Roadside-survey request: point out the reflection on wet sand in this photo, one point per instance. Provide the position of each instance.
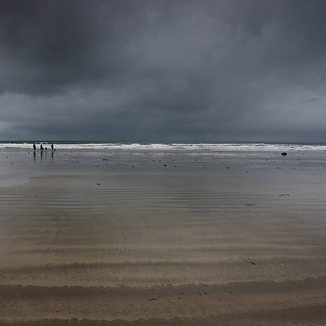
(175, 239)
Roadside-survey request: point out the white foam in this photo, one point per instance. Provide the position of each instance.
(162, 147)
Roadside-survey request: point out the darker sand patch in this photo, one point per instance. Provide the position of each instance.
(311, 315)
(200, 304)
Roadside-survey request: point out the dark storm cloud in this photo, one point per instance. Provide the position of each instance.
(178, 70)
(52, 44)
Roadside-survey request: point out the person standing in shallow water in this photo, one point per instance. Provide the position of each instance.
(41, 147)
(34, 154)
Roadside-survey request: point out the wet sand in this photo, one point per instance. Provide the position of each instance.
(109, 238)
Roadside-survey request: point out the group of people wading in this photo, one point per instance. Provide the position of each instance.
(42, 148)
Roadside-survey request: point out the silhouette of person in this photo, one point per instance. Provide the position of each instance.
(34, 147)
(41, 147)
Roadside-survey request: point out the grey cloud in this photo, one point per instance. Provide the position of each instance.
(59, 44)
(173, 70)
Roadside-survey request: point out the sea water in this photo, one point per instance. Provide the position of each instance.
(164, 146)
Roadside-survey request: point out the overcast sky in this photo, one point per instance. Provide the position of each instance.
(176, 70)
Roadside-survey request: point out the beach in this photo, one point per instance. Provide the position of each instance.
(158, 237)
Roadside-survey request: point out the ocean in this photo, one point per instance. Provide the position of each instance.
(164, 146)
